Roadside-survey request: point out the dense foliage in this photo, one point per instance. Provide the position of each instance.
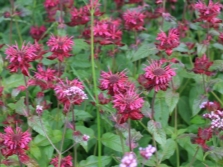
(111, 83)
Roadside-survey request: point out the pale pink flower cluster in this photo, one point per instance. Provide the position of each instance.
(129, 160)
(75, 91)
(203, 104)
(147, 152)
(216, 118)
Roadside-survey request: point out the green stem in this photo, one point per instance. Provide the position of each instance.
(122, 143)
(220, 101)
(177, 148)
(95, 87)
(193, 159)
(18, 31)
(130, 139)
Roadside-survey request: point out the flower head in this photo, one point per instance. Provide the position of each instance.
(157, 75)
(65, 162)
(16, 139)
(147, 152)
(168, 42)
(20, 58)
(113, 82)
(134, 19)
(216, 118)
(37, 32)
(201, 65)
(47, 75)
(60, 46)
(129, 160)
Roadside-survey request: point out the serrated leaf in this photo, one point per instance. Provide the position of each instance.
(171, 99)
(113, 141)
(144, 51)
(34, 123)
(157, 131)
(217, 65)
(12, 81)
(34, 150)
(92, 161)
(80, 44)
(218, 46)
(168, 149)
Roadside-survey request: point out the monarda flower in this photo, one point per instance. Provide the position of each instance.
(65, 162)
(157, 76)
(134, 19)
(79, 16)
(19, 58)
(168, 42)
(60, 46)
(37, 32)
(113, 82)
(201, 65)
(203, 136)
(208, 12)
(45, 74)
(16, 140)
(128, 105)
(70, 93)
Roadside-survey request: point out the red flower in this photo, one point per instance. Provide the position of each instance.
(69, 96)
(113, 82)
(16, 140)
(134, 19)
(208, 12)
(20, 58)
(158, 75)
(203, 136)
(201, 65)
(65, 162)
(37, 32)
(168, 43)
(60, 47)
(128, 105)
(79, 16)
(47, 75)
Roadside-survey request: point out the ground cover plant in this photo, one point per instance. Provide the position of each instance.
(111, 83)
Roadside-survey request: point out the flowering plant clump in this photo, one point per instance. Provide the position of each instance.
(128, 83)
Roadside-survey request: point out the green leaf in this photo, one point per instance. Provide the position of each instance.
(12, 81)
(201, 49)
(34, 123)
(217, 65)
(56, 136)
(168, 149)
(186, 144)
(80, 44)
(20, 107)
(171, 99)
(184, 109)
(80, 115)
(92, 161)
(218, 86)
(1, 64)
(113, 141)
(218, 46)
(40, 140)
(34, 150)
(181, 48)
(158, 133)
(161, 111)
(144, 51)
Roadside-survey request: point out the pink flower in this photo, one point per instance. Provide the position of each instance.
(65, 162)
(202, 64)
(16, 139)
(208, 12)
(168, 43)
(47, 75)
(79, 16)
(147, 152)
(60, 47)
(134, 19)
(20, 58)
(129, 160)
(128, 105)
(64, 92)
(37, 32)
(51, 3)
(113, 82)
(157, 75)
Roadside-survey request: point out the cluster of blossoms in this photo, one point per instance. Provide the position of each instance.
(125, 98)
(37, 33)
(15, 142)
(202, 65)
(134, 19)
(216, 118)
(129, 160)
(147, 152)
(157, 76)
(60, 46)
(168, 42)
(208, 12)
(65, 162)
(210, 106)
(203, 136)
(106, 32)
(70, 93)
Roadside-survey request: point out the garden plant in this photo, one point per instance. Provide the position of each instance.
(111, 83)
